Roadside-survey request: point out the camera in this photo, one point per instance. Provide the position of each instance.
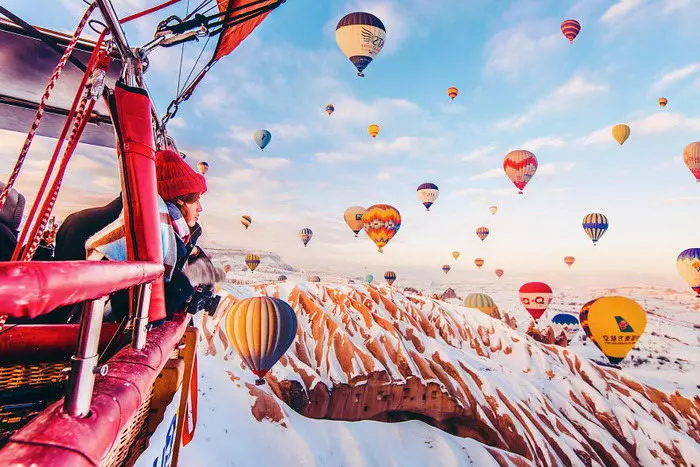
(203, 298)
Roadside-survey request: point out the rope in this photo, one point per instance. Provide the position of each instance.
(148, 11)
(42, 105)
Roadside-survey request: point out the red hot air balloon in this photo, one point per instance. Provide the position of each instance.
(520, 166)
(499, 273)
(570, 28)
(535, 297)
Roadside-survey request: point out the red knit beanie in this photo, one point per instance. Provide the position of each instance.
(175, 177)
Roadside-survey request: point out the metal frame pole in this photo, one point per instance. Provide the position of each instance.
(140, 318)
(84, 362)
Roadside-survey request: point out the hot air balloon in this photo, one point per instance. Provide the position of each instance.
(305, 235)
(493, 210)
(373, 130)
(262, 138)
(446, 268)
(390, 277)
(455, 254)
(361, 37)
(691, 157)
(482, 233)
(282, 278)
(535, 297)
(569, 260)
(499, 273)
(479, 262)
(427, 194)
(261, 330)
(381, 222)
(566, 323)
(481, 302)
(353, 217)
(246, 221)
(452, 92)
(663, 101)
(369, 278)
(252, 262)
(614, 324)
(314, 279)
(570, 28)
(621, 132)
(595, 225)
(688, 264)
(330, 109)
(202, 167)
(520, 166)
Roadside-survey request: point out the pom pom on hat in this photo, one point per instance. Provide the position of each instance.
(175, 177)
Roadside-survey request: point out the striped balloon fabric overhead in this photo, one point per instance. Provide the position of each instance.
(570, 28)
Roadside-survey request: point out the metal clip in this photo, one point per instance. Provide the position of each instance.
(98, 84)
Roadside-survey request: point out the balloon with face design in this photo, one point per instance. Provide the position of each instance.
(535, 297)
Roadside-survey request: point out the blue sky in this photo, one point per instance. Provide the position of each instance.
(522, 85)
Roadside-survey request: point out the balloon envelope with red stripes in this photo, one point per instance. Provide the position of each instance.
(570, 28)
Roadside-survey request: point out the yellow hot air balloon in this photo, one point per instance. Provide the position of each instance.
(452, 92)
(261, 330)
(381, 222)
(688, 264)
(493, 210)
(481, 302)
(252, 261)
(614, 324)
(621, 132)
(455, 254)
(353, 217)
(373, 130)
(663, 101)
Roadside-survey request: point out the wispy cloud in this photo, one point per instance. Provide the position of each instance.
(269, 163)
(492, 173)
(653, 124)
(671, 6)
(326, 157)
(289, 130)
(350, 109)
(561, 100)
(477, 154)
(619, 10)
(543, 142)
(675, 75)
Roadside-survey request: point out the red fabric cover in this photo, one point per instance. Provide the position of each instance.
(31, 289)
(56, 439)
(175, 177)
(34, 343)
(139, 186)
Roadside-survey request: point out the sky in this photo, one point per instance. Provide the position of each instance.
(522, 86)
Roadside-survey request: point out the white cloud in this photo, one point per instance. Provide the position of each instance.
(671, 6)
(561, 100)
(269, 163)
(289, 130)
(493, 173)
(619, 10)
(477, 154)
(335, 157)
(543, 142)
(512, 51)
(349, 109)
(661, 122)
(451, 108)
(682, 199)
(555, 168)
(242, 175)
(383, 176)
(675, 75)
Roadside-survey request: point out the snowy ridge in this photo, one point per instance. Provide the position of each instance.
(371, 352)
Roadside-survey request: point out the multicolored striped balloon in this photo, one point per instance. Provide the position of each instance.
(570, 28)
(252, 261)
(520, 166)
(390, 277)
(482, 233)
(446, 268)
(381, 222)
(330, 109)
(688, 264)
(595, 225)
(452, 92)
(305, 235)
(481, 302)
(246, 221)
(261, 330)
(691, 157)
(479, 262)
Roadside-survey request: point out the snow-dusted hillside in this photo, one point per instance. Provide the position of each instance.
(374, 353)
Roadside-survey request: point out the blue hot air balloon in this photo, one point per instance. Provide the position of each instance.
(369, 278)
(262, 138)
(566, 322)
(595, 225)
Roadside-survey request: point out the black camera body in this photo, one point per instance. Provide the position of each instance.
(204, 298)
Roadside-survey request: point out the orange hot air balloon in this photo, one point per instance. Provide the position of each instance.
(520, 166)
(261, 330)
(381, 222)
(621, 132)
(373, 130)
(479, 262)
(663, 101)
(569, 260)
(452, 92)
(499, 273)
(227, 268)
(353, 218)
(614, 324)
